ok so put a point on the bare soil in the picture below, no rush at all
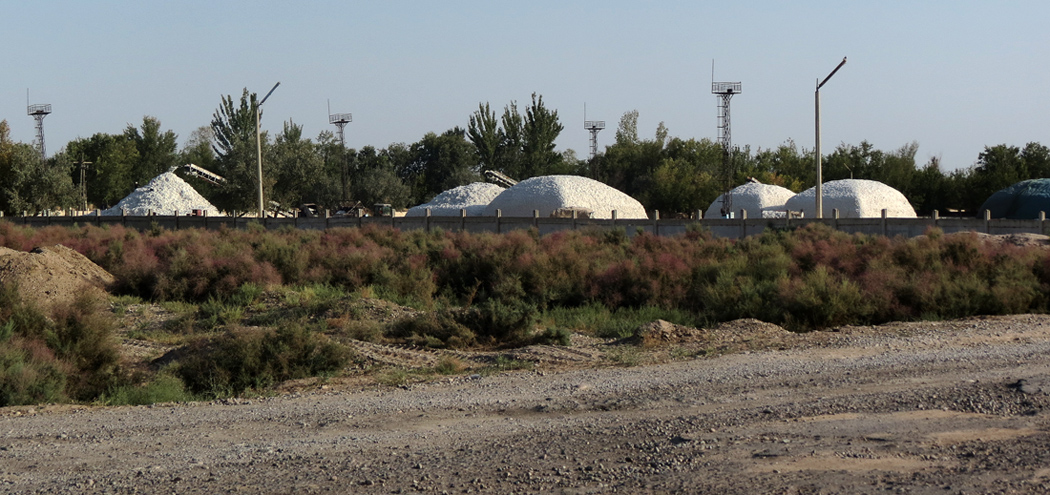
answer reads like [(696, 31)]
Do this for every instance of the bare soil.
[(948, 407)]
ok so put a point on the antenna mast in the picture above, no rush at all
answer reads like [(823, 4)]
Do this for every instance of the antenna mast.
[(38, 112), (725, 92)]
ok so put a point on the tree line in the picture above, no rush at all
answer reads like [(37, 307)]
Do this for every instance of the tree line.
[(665, 173)]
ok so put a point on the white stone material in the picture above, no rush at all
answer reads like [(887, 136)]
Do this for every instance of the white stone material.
[(164, 195), (471, 197), (551, 192), (759, 200), (854, 198)]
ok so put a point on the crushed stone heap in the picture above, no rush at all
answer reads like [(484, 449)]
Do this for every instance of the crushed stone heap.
[(759, 200), (854, 198), (164, 195), (549, 193), (471, 197)]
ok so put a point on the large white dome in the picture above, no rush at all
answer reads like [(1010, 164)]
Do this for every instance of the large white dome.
[(552, 192), (472, 197), (755, 198), (854, 198)]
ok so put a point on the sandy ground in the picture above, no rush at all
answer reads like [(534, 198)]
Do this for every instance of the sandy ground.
[(946, 408)]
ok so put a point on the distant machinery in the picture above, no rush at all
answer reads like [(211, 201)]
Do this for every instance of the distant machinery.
[(725, 92), (38, 112)]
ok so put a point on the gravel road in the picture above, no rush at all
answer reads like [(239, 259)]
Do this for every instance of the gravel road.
[(952, 407)]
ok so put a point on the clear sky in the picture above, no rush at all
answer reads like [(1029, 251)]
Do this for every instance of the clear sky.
[(953, 76)]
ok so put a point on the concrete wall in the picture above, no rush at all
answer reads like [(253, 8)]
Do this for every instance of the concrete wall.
[(719, 227)]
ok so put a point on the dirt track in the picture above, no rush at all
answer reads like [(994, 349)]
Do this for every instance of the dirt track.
[(957, 407)]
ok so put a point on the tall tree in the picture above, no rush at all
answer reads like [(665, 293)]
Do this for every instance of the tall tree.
[(484, 132), (234, 144), (440, 162), (156, 150), (110, 175), (539, 131), (28, 183)]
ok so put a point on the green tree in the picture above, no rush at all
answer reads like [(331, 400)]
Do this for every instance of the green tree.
[(110, 175), (299, 170), (157, 151), (440, 162), (235, 147), (484, 132), (539, 131), (28, 183)]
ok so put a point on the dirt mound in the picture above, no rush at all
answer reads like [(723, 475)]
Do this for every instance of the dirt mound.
[(51, 275), (660, 332), (747, 330)]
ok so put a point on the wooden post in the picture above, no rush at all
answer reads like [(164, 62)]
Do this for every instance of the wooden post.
[(499, 215), (743, 223), (885, 223)]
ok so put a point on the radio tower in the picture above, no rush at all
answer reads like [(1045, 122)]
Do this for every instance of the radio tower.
[(725, 91), (340, 120), (38, 112), (594, 126)]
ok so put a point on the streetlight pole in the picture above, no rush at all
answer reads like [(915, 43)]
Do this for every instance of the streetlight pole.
[(820, 201), (258, 149)]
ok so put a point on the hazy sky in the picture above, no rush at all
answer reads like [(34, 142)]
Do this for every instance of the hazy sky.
[(953, 76)]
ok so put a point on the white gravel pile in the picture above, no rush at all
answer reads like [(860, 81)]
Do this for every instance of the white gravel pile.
[(552, 192), (164, 195), (854, 198), (471, 197), (759, 200)]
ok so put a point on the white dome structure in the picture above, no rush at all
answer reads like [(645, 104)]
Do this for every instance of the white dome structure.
[(472, 197), (853, 198), (549, 193), (759, 200), (164, 195)]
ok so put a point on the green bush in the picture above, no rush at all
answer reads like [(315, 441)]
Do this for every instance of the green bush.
[(165, 387), (254, 359)]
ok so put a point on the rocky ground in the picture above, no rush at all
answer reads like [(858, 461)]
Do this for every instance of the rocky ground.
[(950, 407)]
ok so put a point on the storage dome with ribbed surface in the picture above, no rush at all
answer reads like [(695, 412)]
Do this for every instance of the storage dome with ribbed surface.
[(1021, 201), (549, 193), (759, 200), (854, 198), (472, 197)]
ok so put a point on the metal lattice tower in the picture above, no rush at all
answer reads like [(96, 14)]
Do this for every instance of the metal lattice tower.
[(38, 112), (594, 126), (340, 120), (725, 92)]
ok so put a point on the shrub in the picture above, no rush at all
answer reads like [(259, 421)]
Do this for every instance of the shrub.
[(165, 387), (254, 359)]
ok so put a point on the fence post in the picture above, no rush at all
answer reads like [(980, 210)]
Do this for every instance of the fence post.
[(98, 217), (614, 218), (936, 217), (987, 221), (743, 223), (885, 226), (656, 222), (426, 219), (499, 215), (462, 219), (536, 218), (1042, 222), (574, 220), (835, 218)]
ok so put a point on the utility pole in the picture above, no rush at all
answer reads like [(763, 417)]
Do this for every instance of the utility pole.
[(258, 148), (820, 200), (83, 182)]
